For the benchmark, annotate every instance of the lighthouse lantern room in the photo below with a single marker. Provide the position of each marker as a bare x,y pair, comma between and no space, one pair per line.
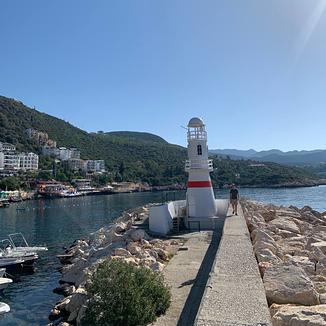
200,199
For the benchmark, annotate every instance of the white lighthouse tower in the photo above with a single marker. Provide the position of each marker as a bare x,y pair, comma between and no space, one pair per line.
200,202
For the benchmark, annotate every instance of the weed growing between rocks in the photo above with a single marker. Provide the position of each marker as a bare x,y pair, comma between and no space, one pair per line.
122,294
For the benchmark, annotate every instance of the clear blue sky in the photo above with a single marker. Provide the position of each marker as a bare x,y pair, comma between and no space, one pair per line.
254,70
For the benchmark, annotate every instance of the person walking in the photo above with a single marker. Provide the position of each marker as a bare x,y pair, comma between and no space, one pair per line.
234,199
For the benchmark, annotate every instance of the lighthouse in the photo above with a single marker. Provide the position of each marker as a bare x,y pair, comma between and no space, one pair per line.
200,201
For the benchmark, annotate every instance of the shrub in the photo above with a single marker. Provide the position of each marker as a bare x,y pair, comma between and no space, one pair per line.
126,295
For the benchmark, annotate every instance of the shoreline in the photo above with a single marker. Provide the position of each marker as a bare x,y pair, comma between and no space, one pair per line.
35,196
126,239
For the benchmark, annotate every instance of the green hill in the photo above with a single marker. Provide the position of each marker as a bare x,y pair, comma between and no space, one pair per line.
137,156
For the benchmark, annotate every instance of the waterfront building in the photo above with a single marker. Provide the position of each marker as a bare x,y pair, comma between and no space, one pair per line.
82,184
95,166
27,161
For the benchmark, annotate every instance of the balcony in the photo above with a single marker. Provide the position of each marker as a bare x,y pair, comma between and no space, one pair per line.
199,164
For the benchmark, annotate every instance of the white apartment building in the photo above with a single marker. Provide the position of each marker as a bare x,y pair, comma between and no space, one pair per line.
2,160
27,161
62,153
95,166
7,147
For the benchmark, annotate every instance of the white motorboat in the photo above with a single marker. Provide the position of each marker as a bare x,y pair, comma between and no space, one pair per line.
11,258
19,243
4,282
4,308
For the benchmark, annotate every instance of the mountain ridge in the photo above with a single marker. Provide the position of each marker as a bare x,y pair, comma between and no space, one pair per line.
135,156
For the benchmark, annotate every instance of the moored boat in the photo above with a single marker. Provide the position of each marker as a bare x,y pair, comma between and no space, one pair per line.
4,308
19,243
4,282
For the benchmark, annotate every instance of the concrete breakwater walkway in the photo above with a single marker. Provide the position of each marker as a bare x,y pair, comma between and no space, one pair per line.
234,293
216,280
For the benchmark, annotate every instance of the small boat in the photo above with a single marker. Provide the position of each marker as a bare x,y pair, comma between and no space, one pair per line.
4,308
4,282
19,243
12,258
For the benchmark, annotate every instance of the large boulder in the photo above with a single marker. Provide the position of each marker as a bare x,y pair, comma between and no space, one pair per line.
285,223
289,315
138,235
286,283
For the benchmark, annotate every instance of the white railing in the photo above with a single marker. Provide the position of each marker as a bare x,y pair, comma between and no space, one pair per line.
197,134
199,164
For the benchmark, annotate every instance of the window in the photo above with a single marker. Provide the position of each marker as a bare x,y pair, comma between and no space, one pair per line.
199,150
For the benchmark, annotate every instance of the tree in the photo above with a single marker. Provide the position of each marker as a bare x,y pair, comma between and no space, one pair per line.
125,295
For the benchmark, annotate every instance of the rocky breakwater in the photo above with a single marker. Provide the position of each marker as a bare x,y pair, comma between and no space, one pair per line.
290,247
121,240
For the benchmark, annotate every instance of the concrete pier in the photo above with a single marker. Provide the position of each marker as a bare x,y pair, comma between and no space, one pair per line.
234,292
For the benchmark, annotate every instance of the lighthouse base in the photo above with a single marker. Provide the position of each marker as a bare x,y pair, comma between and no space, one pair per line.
210,222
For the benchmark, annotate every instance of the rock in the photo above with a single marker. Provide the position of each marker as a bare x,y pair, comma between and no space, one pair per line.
64,324
55,314
121,252
157,267
61,305
120,227
132,261
263,266
137,234
285,223
266,255
133,248
148,261
322,298
73,316
162,254
145,244
321,245
289,315
286,283
76,301
81,314
64,289
75,274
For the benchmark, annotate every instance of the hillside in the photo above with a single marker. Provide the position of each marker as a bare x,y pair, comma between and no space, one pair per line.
313,157
137,156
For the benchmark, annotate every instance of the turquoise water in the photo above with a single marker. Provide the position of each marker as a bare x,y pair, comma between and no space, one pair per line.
58,222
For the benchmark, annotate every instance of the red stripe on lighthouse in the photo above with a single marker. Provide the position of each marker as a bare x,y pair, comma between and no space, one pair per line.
199,184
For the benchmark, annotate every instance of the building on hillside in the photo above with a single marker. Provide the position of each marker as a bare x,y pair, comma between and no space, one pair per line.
95,166
10,160
62,153
50,151
74,153
75,164
27,161
7,147
2,160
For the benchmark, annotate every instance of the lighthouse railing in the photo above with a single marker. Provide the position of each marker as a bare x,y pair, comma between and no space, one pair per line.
199,164
197,134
